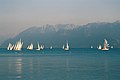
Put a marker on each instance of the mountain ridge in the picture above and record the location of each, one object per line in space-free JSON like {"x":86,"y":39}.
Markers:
{"x":78,"y":36}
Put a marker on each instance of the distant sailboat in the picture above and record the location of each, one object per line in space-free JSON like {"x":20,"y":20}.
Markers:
{"x":38,"y":47}
{"x":30,"y":47}
{"x":67,"y":46}
{"x":42,"y":47}
{"x":10,"y":46}
{"x":18,"y":45}
{"x":99,"y":47}
{"x":106,"y":45}
{"x":91,"y":47}
{"x":63,"y":47}
{"x":111,"y":46}
{"x":51,"y":47}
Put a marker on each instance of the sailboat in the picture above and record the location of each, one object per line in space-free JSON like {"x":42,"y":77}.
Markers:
{"x":18,"y":45}
{"x":38,"y":47}
{"x":99,"y":47}
{"x":42,"y":47}
{"x":51,"y":47}
{"x":111,"y":46}
{"x":30,"y":47}
{"x":106,"y":45}
{"x":10,"y":46}
{"x":91,"y":47}
{"x":63,"y":47}
{"x":67,"y":47}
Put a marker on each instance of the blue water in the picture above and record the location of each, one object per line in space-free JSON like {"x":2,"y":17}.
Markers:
{"x":57,"y":64}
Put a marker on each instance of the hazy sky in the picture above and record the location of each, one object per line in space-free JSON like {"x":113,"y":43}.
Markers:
{"x":17,"y":15}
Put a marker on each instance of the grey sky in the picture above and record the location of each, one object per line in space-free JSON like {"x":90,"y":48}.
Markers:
{"x":17,"y":15}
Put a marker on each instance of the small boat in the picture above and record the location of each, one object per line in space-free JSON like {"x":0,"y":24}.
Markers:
{"x":63,"y":47}
{"x":42,"y":47}
{"x":10,"y":46}
{"x":51,"y":47}
{"x":106,"y":45}
{"x":91,"y":46}
{"x":99,"y":47}
{"x":30,"y":47}
{"x":67,"y":47}
{"x":38,"y":47}
{"x":111,"y":46}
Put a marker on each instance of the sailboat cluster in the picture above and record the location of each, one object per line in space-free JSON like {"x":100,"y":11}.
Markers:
{"x":19,"y":44}
{"x":105,"y":47}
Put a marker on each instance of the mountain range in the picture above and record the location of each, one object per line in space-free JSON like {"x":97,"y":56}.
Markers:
{"x":78,"y":36}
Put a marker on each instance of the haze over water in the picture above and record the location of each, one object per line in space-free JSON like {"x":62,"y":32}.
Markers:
{"x":18,"y":15}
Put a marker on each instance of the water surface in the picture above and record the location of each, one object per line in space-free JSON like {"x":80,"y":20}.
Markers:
{"x":56,"y":64}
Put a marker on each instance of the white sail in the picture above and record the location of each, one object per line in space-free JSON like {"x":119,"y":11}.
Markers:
{"x":18,"y":45}
{"x":111,"y":46}
{"x":10,"y":46}
{"x":63,"y":47}
{"x":91,"y":47}
{"x":51,"y":47}
{"x":42,"y":46}
{"x":106,"y":45}
{"x":30,"y":47}
{"x":38,"y":47}
{"x":99,"y":47}
{"x":67,"y":46}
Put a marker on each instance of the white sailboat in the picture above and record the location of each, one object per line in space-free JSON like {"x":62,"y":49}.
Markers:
{"x":63,"y":47}
{"x":18,"y":45}
{"x":91,"y":47}
{"x":38,"y":47}
{"x":51,"y":47}
{"x":42,"y":47}
{"x":10,"y":46}
{"x":106,"y":45}
{"x":67,"y":46}
{"x":30,"y":47}
{"x":99,"y":47}
{"x":111,"y":46}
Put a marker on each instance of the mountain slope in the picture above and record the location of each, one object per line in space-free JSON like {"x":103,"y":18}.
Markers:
{"x":78,"y":36}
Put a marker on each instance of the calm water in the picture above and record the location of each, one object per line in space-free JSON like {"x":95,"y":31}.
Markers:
{"x":56,"y":64}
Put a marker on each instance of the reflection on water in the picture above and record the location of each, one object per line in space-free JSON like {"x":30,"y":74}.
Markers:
{"x":15,"y":67}
{"x":18,"y":67}
{"x":72,"y":67}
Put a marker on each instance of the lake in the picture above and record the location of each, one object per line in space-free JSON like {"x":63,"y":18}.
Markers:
{"x":57,"y":64}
